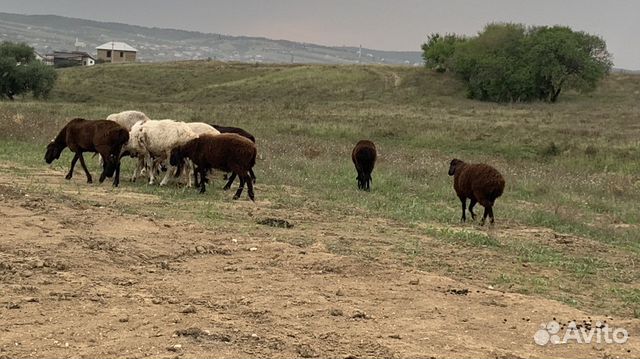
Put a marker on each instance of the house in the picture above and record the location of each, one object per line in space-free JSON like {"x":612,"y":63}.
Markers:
{"x":69,"y":58}
{"x":114,"y":51}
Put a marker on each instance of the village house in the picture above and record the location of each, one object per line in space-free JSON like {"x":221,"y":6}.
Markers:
{"x":114,"y":51}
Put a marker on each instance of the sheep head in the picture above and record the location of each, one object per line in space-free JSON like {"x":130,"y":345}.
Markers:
{"x":53,"y":152}
{"x":455,"y":163}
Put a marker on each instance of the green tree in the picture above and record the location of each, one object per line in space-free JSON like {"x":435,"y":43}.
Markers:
{"x":562,"y":58}
{"x":512,"y":63}
{"x":438,"y":50}
{"x":20,"y":73}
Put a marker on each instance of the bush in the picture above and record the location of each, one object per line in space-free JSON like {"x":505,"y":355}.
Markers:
{"x":513,"y":63}
{"x":21,"y":73}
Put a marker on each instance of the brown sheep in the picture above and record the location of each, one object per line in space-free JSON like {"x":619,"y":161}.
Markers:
{"x":480,"y":183}
{"x":243,"y":133}
{"x":364,"y":158}
{"x":101,"y":136}
{"x":226,"y":152}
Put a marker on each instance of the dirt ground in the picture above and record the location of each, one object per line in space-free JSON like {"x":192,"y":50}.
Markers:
{"x":92,"y":280}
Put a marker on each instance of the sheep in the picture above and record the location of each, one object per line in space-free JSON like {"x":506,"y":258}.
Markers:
{"x":480,"y":183}
{"x":227,"y":152}
{"x":243,"y":133}
{"x":101,"y":136}
{"x":364,"y":158}
{"x":127,"y":119}
{"x":155,"y":139}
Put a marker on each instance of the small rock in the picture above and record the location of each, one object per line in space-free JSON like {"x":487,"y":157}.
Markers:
{"x":31,"y":299}
{"x":395,"y":336}
{"x":305,"y":351}
{"x":414,"y":282}
{"x":188,"y":309}
{"x":37,"y":264}
{"x":156,"y":301}
{"x":174,"y":348}
{"x":201,"y":249}
{"x":27,"y":273}
{"x":340,"y":293}
{"x":253,"y":249}
{"x":123,"y":319}
{"x":336,"y":312}
{"x":359,"y":314}
{"x":164,"y":265}
{"x":12,"y":305}
{"x":254,"y":335}
{"x":230,"y":269}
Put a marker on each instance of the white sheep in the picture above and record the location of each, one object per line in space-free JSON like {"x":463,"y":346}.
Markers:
{"x":128,"y":119}
{"x":156,"y":139}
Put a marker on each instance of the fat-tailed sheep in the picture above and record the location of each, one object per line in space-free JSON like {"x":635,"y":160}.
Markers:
{"x":243,"y":133}
{"x":155,"y":140}
{"x":101,"y":136}
{"x":227,"y":152}
{"x":480,"y":183}
{"x":364,"y":158}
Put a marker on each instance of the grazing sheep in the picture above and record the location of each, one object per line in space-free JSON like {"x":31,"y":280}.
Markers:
{"x":236,"y":130}
{"x":364,"y":158}
{"x":480,"y":183}
{"x":101,"y":136}
{"x":127,"y":119}
{"x":227,"y":152}
{"x":155,"y":139}
{"x":243,"y":133}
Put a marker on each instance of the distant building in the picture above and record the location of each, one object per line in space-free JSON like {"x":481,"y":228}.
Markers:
{"x":114,"y":51}
{"x":69,"y":58}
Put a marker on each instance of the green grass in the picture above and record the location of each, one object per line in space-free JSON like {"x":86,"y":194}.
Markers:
{"x":572,"y":167}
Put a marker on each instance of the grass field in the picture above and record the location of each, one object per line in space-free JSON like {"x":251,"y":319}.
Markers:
{"x":567,"y":227}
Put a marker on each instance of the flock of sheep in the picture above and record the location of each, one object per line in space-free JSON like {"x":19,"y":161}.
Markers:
{"x":196,"y":148}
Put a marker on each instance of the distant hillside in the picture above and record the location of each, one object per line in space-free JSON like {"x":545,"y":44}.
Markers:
{"x":50,"y":32}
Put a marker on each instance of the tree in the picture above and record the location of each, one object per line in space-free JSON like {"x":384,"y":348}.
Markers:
{"x":21,"y":73}
{"x":512,"y":63}
{"x":438,"y":50}
{"x":562,"y":58}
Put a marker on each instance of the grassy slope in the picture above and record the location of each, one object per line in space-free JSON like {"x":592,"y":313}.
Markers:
{"x":571,"y":167}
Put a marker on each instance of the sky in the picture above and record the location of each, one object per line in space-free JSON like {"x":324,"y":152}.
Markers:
{"x":378,"y":24}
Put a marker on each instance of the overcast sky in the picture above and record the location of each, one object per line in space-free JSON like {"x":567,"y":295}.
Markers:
{"x":379,"y":24}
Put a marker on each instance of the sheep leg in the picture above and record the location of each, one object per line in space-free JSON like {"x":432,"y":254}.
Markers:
{"x":116,"y":178}
{"x":249,"y":181}
{"x":491,"y":214}
{"x":230,"y":182}
{"x":170,"y":172}
{"x":73,"y":164}
{"x":463,"y":200}
{"x":253,"y":175}
{"x":368,"y":183}
{"x":471,"y":204}
{"x":487,"y":210}
{"x":84,"y":167}
{"x":239,"y":191}
{"x":150,"y":164}
{"x":203,"y":179}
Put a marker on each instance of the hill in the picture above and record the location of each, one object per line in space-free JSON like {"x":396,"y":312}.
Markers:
{"x":50,"y":32}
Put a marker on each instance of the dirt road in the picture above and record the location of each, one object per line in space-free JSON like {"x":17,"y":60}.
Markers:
{"x":89,"y":279}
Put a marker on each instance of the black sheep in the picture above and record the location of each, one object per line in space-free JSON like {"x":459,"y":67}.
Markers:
{"x":364,"y":158}
{"x":480,"y":183}
{"x":226,"y":152}
{"x":101,"y":136}
{"x":243,"y":133}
